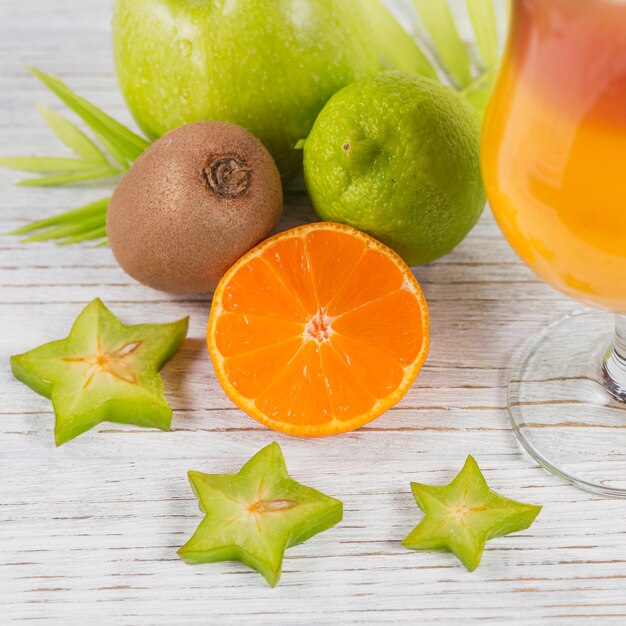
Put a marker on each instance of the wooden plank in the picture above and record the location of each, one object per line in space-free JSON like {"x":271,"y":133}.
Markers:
{"x":88,"y":532}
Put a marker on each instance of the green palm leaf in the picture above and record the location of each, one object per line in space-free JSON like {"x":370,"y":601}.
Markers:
{"x":397,"y":48}
{"x":44,"y":164}
{"x":81,"y":224}
{"x":87,"y":211}
{"x":78,"y":176}
{"x":483,"y":18}
{"x":456,"y":59}
{"x":446,"y":41}
{"x":439,"y":52}
{"x":73,"y":137}
{"x":126,"y":146}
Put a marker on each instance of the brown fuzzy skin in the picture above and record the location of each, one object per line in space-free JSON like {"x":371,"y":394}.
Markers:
{"x":194,"y":202}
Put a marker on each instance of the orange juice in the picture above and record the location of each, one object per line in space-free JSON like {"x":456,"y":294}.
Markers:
{"x":554,"y":145}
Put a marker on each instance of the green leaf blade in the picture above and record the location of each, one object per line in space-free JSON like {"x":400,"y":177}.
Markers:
{"x":76,"y":215}
{"x":483,"y":17}
{"x":70,"y":177}
{"x":112,"y":147}
{"x":44,"y":164}
{"x":72,"y":137}
{"x":125,"y":142}
{"x":448,"y":45}
{"x":399,"y":50}
{"x":478,"y":93}
{"x":68,"y":229}
{"x":90,"y":235}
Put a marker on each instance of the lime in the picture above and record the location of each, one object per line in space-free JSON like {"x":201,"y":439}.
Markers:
{"x":397,"y":155}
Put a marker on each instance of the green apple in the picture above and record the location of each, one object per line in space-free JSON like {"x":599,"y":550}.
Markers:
{"x":267,"y":65}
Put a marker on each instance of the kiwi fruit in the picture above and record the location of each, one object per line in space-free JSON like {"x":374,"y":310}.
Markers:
{"x":193,"y":203}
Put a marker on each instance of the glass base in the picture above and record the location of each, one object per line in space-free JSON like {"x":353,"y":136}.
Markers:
{"x":563,"y":408}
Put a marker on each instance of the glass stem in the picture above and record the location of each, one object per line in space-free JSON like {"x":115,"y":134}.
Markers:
{"x":615,"y":362}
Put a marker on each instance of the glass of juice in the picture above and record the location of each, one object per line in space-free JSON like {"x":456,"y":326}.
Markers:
{"x":554,"y":166}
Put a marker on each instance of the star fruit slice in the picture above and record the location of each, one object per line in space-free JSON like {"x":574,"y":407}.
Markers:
{"x":103,"y":372}
{"x":253,"y":516}
{"x":462,"y":516}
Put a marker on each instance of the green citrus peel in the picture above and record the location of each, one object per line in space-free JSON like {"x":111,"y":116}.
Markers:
{"x":253,"y":516}
{"x":103,"y":372}
{"x":396,"y":155}
{"x":462,"y":516}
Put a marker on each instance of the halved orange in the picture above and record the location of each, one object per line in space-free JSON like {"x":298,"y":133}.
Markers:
{"x":318,"y":330}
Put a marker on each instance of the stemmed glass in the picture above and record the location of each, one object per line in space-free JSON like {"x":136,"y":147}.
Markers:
{"x":554,"y":166}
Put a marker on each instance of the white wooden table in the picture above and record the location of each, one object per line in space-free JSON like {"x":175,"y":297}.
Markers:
{"x":89,"y":532}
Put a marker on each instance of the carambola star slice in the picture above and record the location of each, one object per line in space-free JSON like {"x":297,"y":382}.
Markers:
{"x":255,"y":515}
{"x":462,"y":516}
{"x":103,"y":372}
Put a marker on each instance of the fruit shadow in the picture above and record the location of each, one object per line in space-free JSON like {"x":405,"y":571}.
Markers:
{"x":484,"y":303}
{"x":297,"y":211}
{"x":181,"y":370}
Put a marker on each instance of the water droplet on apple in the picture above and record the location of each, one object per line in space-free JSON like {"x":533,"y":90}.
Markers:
{"x":184,"y":45}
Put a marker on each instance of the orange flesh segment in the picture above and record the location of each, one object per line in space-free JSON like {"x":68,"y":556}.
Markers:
{"x":299,"y":394}
{"x":289,"y":260}
{"x":377,"y":277}
{"x":333,"y":257}
{"x":248,"y":378}
{"x":387,"y":325}
{"x":256,"y":290}
{"x":318,"y":330}
{"x":237,"y":333}
{"x":367,"y":364}
{"x":348,"y":395}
